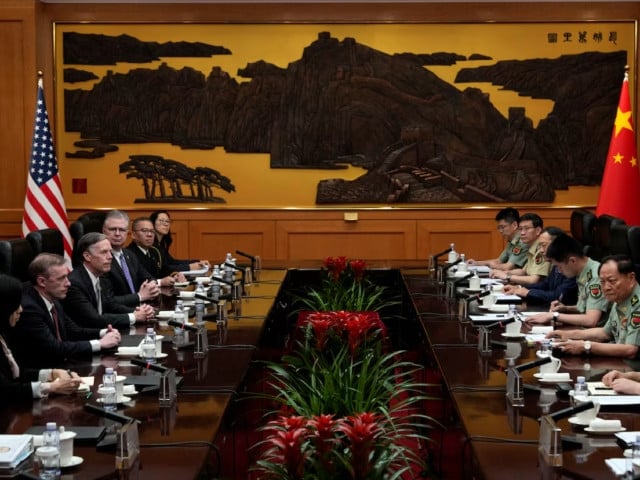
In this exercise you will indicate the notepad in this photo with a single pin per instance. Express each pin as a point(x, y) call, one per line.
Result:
point(14, 449)
point(599, 388)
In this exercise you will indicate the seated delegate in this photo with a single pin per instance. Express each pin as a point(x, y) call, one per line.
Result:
point(162, 225)
point(18, 385)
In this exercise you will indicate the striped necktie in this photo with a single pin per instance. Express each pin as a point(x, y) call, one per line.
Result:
point(127, 273)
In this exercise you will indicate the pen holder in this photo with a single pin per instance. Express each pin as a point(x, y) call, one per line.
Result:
point(201, 342)
point(515, 388)
point(128, 447)
point(168, 392)
point(484, 342)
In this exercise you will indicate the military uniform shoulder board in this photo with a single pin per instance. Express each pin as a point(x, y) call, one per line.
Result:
point(634, 300)
point(517, 250)
point(595, 290)
point(539, 258)
point(635, 319)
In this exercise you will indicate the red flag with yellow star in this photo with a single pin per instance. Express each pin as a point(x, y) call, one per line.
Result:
point(620, 189)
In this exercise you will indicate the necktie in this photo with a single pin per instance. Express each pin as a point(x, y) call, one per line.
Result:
point(127, 273)
point(98, 296)
point(54, 316)
point(15, 369)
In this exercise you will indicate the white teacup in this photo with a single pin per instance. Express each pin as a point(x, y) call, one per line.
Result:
point(66, 447)
point(462, 267)
point(585, 418)
point(513, 329)
point(550, 367)
point(203, 280)
point(488, 300)
point(120, 385)
point(497, 287)
point(187, 294)
point(474, 283)
point(159, 345)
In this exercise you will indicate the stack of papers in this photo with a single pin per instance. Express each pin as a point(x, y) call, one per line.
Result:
point(14, 449)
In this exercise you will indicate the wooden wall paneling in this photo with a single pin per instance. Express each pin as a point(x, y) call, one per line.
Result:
point(368, 239)
point(213, 239)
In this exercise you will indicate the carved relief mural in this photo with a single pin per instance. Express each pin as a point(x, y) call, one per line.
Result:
point(458, 117)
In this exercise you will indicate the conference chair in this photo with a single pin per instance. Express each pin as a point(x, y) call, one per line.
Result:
point(15, 256)
point(634, 246)
point(87, 222)
point(582, 227)
point(47, 240)
point(620, 240)
point(603, 226)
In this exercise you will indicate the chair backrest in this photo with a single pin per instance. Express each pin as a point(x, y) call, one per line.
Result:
point(46, 240)
point(634, 246)
point(87, 222)
point(620, 240)
point(604, 223)
point(582, 226)
point(15, 256)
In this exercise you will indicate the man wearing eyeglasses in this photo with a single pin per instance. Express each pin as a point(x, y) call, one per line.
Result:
point(537, 267)
point(142, 247)
point(514, 254)
point(131, 282)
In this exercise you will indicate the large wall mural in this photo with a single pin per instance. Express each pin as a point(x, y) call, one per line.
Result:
point(388, 114)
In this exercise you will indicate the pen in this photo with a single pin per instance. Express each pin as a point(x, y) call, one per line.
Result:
point(89, 394)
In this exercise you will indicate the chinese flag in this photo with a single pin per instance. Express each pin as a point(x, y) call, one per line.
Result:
point(620, 189)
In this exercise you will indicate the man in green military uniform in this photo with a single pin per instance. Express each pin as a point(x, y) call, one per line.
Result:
point(620, 336)
point(536, 267)
point(567, 255)
point(514, 254)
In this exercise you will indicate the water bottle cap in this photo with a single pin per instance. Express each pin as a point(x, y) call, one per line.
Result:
point(52, 426)
point(46, 451)
point(108, 370)
point(150, 330)
point(580, 379)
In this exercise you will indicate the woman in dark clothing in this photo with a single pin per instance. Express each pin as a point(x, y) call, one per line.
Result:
point(162, 226)
point(17, 384)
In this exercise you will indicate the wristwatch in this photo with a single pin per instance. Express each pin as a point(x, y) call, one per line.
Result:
point(587, 347)
point(555, 317)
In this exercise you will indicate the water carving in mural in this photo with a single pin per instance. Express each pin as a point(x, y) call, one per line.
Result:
point(419, 138)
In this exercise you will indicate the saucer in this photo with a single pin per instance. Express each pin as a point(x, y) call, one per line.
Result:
point(73, 462)
point(181, 284)
point(472, 290)
point(513, 335)
point(553, 380)
point(165, 314)
point(158, 356)
point(577, 421)
point(599, 431)
point(122, 399)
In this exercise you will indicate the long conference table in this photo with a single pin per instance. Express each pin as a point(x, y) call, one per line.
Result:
point(177, 441)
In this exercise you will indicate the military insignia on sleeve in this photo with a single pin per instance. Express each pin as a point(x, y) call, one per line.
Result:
point(635, 320)
point(595, 290)
point(539, 259)
point(634, 300)
point(589, 275)
point(517, 250)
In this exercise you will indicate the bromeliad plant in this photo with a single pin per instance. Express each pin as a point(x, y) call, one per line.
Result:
point(353, 406)
point(345, 287)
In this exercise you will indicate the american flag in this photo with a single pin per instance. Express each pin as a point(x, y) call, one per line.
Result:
point(44, 204)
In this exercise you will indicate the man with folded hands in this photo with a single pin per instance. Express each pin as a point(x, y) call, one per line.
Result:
point(537, 267)
point(620, 336)
point(623, 382)
point(45, 336)
point(90, 301)
point(590, 310)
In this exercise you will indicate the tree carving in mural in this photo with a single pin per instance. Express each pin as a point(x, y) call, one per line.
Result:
point(166, 180)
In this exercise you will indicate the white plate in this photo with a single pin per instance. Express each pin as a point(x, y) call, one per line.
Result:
point(129, 390)
point(577, 421)
point(122, 399)
point(554, 380)
point(73, 462)
point(181, 284)
point(161, 355)
point(127, 354)
point(472, 290)
point(513, 335)
point(498, 308)
point(604, 432)
point(165, 314)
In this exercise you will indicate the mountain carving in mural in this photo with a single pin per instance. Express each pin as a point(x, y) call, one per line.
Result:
point(419, 138)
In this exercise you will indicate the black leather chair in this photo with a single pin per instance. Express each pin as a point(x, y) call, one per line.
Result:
point(48, 240)
point(87, 222)
point(604, 224)
point(620, 240)
point(15, 256)
point(582, 227)
point(634, 246)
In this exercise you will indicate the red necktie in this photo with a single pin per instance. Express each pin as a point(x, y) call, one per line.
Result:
point(54, 315)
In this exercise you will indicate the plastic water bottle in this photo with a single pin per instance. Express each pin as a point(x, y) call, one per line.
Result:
point(149, 346)
point(178, 332)
point(215, 286)
point(109, 400)
point(580, 389)
point(51, 453)
point(545, 347)
point(453, 255)
point(200, 293)
point(635, 457)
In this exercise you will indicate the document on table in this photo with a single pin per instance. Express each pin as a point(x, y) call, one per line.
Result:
point(618, 399)
point(599, 388)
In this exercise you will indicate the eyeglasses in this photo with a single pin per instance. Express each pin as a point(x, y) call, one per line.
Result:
point(163, 221)
point(116, 229)
point(146, 231)
point(526, 229)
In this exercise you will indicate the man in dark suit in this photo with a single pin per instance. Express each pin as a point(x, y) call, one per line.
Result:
point(90, 301)
point(150, 257)
point(45, 336)
point(131, 283)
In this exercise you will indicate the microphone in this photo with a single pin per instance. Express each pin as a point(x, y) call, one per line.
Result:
point(235, 267)
point(116, 417)
point(533, 364)
point(184, 326)
point(222, 280)
point(444, 252)
point(477, 296)
point(250, 257)
point(451, 265)
point(571, 411)
point(500, 323)
point(462, 279)
point(149, 366)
